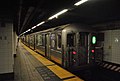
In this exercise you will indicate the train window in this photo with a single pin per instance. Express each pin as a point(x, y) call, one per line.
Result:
point(53, 43)
point(31, 39)
point(83, 39)
point(39, 40)
point(52, 40)
point(52, 36)
point(58, 41)
point(43, 39)
point(70, 39)
point(27, 39)
point(36, 40)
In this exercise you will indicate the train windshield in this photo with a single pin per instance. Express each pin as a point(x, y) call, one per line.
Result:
point(83, 39)
point(71, 39)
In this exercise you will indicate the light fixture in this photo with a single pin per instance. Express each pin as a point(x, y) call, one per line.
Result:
point(27, 30)
point(59, 13)
point(40, 23)
point(34, 27)
point(94, 39)
point(80, 2)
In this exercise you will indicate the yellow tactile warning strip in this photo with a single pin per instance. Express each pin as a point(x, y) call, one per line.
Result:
point(56, 59)
point(52, 57)
point(60, 72)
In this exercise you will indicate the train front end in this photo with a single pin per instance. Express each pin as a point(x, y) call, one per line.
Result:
point(78, 48)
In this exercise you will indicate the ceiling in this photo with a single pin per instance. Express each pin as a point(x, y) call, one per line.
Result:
point(27, 13)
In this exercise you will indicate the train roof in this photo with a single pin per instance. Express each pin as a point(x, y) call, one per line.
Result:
point(66, 26)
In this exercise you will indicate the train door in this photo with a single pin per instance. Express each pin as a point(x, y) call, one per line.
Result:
point(47, 45)
point(70, 51)
point(34, 42)
point(82, 48)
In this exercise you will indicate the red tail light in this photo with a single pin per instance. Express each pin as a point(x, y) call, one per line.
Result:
point(93, 51)
point(74, 53)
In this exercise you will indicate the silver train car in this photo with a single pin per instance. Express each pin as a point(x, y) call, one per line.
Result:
point(70, 45)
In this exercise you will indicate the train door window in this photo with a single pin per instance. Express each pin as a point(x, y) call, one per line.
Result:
point(43, 39)
point(27, 39)
point(30, 39)
point(71, 39)
point(39, 38)
point(59, 41)
point(52, 40)
point(36, 40)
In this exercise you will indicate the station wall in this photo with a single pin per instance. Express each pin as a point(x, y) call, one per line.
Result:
point(7, 48)
point(112, 46)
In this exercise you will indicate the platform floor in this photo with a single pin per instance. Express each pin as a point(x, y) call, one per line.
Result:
point(30, 66)
point(25, 66)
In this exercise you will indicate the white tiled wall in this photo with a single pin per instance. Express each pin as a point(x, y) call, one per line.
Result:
point(112, 46)
point(6, 49)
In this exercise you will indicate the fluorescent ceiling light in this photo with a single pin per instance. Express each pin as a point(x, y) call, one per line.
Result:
point(34, 27)
point(59, 13)
point(27, 30)
point(40, 23)
point(80, 2)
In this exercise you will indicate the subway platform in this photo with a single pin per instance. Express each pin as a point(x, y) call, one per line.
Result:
point(31, 66)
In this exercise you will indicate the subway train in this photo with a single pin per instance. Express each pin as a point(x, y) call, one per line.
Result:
point(71, 45)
